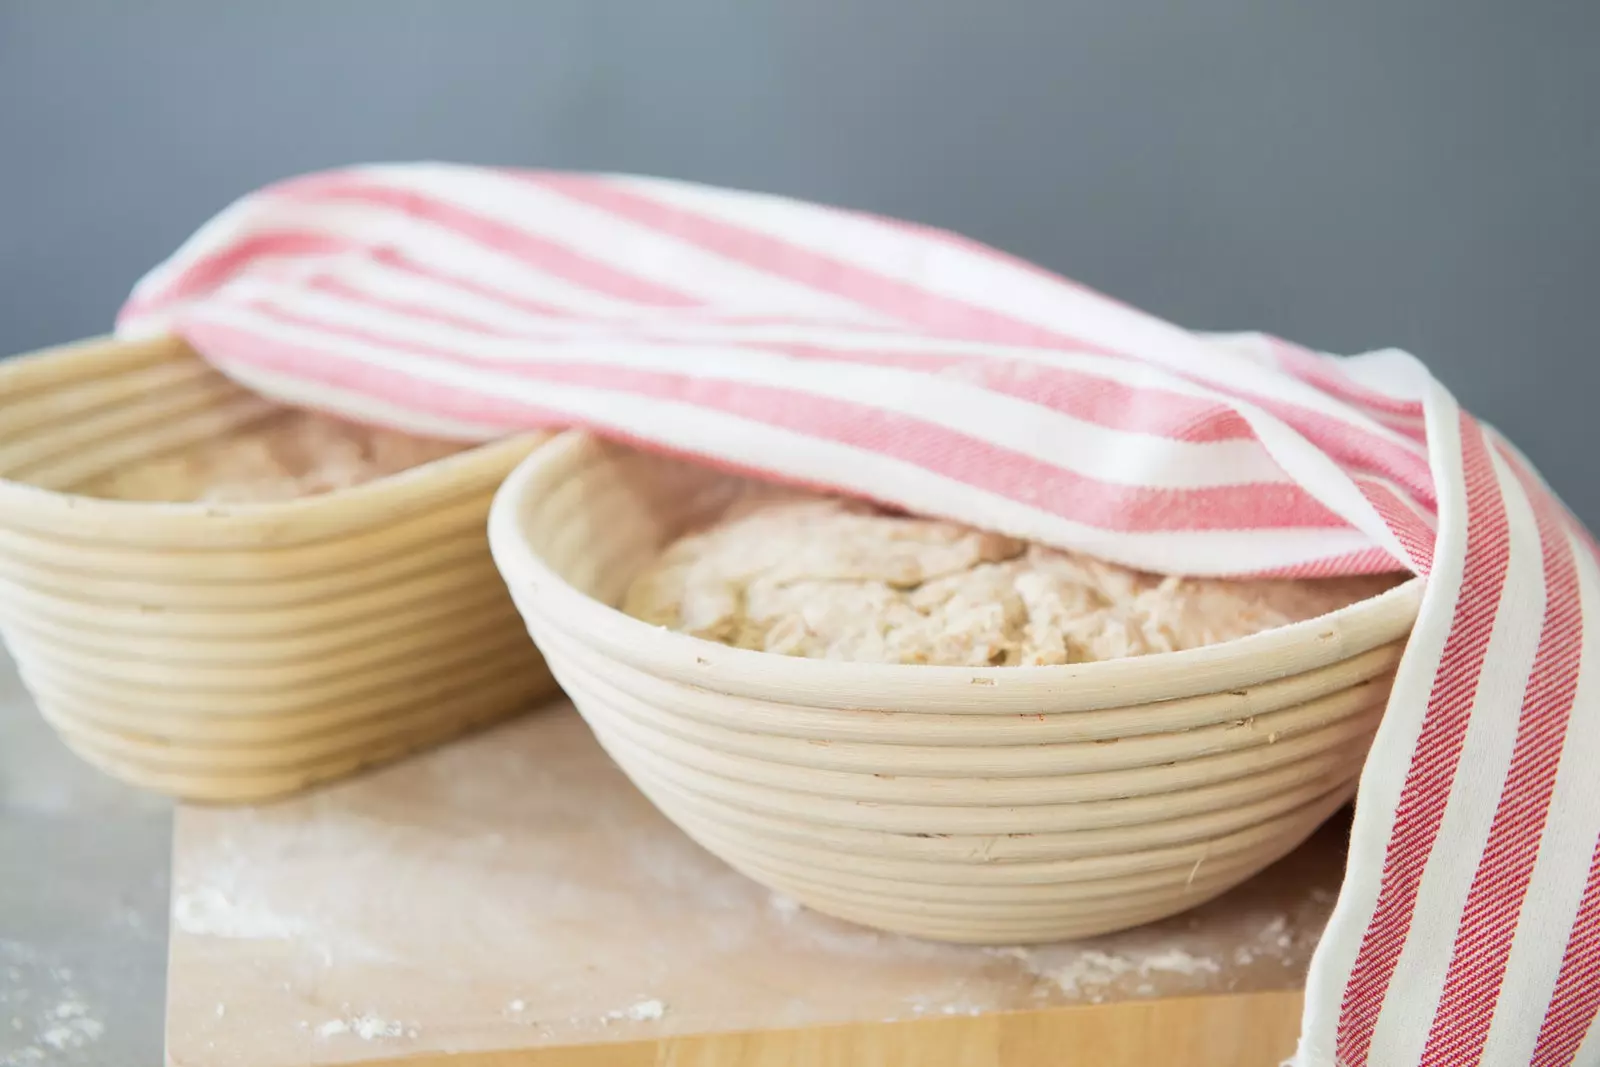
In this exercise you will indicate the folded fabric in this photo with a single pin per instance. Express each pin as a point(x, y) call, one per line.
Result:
point(908, 365)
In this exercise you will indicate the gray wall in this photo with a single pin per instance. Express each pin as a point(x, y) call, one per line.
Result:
point(1350, 174)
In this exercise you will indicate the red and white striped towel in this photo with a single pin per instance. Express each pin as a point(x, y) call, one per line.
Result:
point(918, 368)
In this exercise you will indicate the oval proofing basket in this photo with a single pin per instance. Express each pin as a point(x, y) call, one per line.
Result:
point(236, 652)
point(1000, 805)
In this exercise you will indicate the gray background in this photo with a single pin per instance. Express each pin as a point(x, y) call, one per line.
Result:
point(1350, 174)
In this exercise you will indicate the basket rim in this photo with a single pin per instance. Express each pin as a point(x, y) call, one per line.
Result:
point(378, 490)
point(339, 510)
point(1239, 663)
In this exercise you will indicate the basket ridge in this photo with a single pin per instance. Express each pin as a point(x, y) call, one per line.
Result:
point(226, 652)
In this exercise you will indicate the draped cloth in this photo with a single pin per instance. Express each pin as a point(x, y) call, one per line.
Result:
point(914, 367)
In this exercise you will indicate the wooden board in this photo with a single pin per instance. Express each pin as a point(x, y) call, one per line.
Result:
point(512, 900)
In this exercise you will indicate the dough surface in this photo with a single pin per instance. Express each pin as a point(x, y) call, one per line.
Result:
point(291, 455)
point(831, 579)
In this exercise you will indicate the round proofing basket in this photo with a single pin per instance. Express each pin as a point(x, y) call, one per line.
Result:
point(1008, 804)
point(238, 652)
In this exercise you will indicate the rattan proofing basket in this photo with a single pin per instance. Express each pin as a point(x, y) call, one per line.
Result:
point(1000, 805)
point(237, 652)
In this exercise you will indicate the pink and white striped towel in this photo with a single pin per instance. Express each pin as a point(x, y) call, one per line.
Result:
point(914, 367)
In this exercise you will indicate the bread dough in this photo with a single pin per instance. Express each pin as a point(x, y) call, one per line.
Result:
point(291, 455)
point(842, 580)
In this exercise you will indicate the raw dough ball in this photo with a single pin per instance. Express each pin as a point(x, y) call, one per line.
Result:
point(833, 579)
point(294, 454)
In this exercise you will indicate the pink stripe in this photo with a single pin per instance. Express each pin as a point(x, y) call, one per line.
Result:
point(1438, 751)
point(968, 460)
point(397, 260)
point(1414, 535)
point(214, 269)
point(497, 415)
point(702, 314)
point(1576, 1000)
point(1088, 397)
point(1362, 561)
point(1483, 940)
point(1357, 450)
point(532, 248)
point(1314, 370)
point(824, 274)
point(911, 304)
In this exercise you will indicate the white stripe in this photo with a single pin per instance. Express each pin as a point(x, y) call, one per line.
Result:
point(1562, 867)
point(1521, 460)
point(1049, 437)
point(146, 327)
point(628, 246)
point(1419, 976)
point(426, 242)
point(265, 273)
point(358, 407)
point(990, 282)
point(1389, 371)
point(219, 232)
point(855, 470)
point(1251, 345)
point(693, 324)
point(1384, 774)
point(937, 266)
point(397, 283)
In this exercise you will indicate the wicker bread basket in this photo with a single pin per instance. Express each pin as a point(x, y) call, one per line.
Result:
point(236, 652)
point(1009, 804)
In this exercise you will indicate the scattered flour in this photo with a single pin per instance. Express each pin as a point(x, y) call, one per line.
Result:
point(1177, 961)
point(1091, 968)
point(207, 911)
point(75, 1033)
point(366, 1027)
point(1091, 974)
point(642, 1011)
point(647, 1010)
point(952, 1008)
point(1274, 940)
point(369, 1028)
point(64, 1027)
point(784, 907)
point(516, 1006)
point(226, 896)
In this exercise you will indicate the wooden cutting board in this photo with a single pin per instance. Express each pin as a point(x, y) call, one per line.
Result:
point(512, 900)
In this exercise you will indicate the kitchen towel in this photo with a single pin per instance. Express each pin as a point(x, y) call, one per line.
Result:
point(920, 369)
